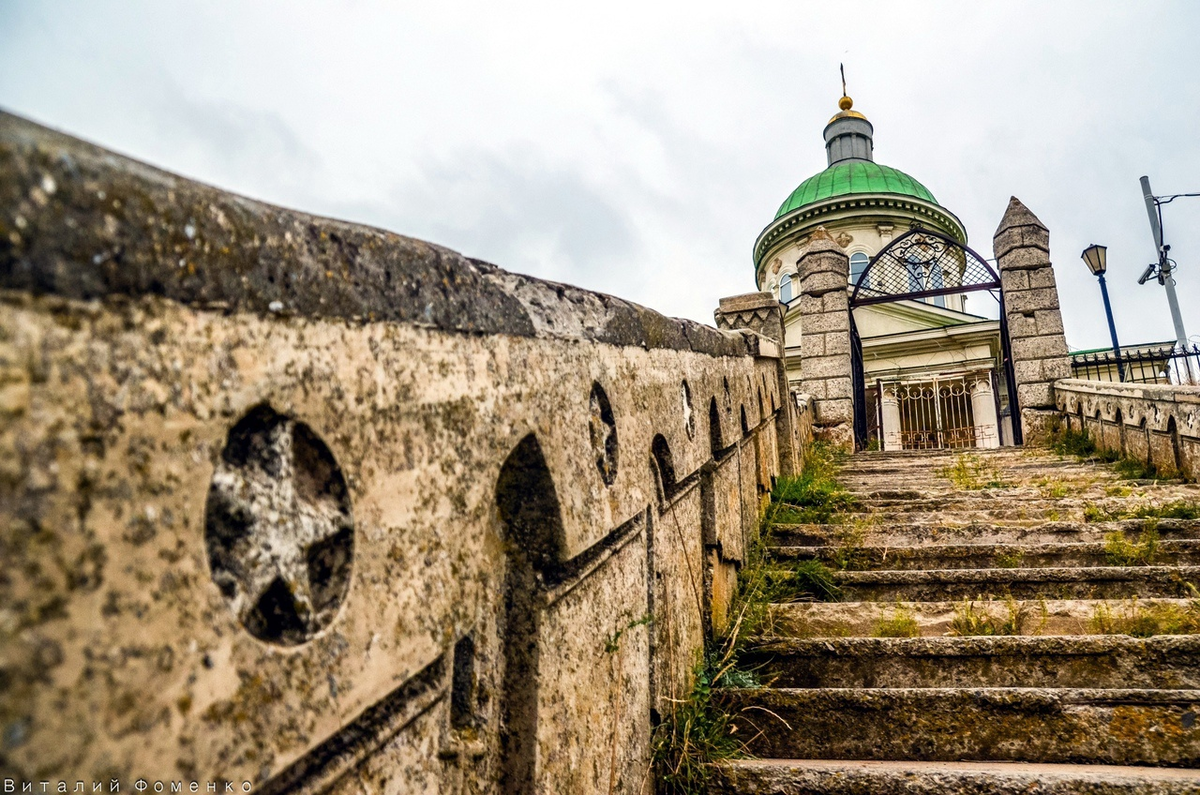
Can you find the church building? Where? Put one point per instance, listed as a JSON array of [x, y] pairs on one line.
[[932, 369]]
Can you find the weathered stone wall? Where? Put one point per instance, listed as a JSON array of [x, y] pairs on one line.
[[1039, 347], [1158, 424], [318, 507]]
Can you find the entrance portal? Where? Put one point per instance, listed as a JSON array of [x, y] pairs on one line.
[[938, 411]]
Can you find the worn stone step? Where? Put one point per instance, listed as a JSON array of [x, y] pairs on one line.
[[891, 532], [843, 777], [1102, 661], [989, 556], [1123, 727], [935, 619], [981, 507], [1096, 582]]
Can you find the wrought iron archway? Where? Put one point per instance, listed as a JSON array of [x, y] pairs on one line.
[[921, 264]]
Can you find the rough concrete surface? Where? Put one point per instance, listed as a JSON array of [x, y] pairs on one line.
[[321, 508]]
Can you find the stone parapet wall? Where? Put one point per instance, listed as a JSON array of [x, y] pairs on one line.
[[322, 508], [1158, 424]]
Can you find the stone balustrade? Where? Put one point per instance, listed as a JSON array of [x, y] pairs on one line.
[[321, 508], [1158, 424]]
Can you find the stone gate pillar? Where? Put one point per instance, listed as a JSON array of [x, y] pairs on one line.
[[1035, 329], [763, 314], [825, 338]]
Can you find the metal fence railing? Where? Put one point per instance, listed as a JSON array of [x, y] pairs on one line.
[[1145, 365]]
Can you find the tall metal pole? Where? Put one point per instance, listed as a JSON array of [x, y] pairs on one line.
[[1164, 265], [1112, 329]]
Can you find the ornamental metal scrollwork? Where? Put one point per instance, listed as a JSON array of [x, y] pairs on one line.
[[922, 263]]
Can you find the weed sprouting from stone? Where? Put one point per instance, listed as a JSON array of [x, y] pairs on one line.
[[1076, 443], [1010, 559], [1120, 551], [1133, 469], [814, 496], [813, 579], [971, 620], [901, 624], [696, 733], [970, 473], [1179, 509], [1051, 488], [1146, 620], [1094, 513], [1079, 444], [850, 554]]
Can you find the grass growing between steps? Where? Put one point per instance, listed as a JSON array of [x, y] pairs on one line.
[[1120, 551], [1011, 559], [815, 496], [970, 473], [1051, 488], [1145, 620], [697, 732], [1011, 618], [1179, 509], [901, 624], [1065, 441]]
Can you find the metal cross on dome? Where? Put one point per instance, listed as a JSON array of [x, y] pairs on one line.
[[279, 528]]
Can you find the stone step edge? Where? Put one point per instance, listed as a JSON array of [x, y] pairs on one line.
[[1050, 574], [974, 645], [874, 776], [933, 615], [883, 698], [1126, 525], [966, 550]]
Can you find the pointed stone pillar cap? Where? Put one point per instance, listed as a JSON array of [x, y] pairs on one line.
[[1019, 228]]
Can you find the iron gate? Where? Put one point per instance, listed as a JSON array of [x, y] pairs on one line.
[[923, 263]]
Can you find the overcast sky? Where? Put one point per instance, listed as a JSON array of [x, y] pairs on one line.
[[639, 148]]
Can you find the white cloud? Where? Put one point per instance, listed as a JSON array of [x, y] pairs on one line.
[[640, 148]]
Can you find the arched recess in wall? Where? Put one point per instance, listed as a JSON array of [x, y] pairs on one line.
[[1173, 438], [1119, 417], [715, 441], [533, 538], [664, 468], [1144, 427]]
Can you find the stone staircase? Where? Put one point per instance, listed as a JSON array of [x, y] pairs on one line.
[[1029, 551]]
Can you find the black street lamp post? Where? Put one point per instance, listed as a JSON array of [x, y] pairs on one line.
[[1096, 259]]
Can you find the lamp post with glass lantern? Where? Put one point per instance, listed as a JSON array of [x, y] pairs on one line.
[[1096, 259]]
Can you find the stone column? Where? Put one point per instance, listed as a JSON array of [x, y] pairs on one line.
[[890, 432], [763, 314], [824, 308], [983, 411], [1039, 349]]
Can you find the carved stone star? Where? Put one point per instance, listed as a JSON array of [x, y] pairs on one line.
[[279, 528]]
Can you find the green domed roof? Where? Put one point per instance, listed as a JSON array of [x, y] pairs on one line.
[[847, 177]]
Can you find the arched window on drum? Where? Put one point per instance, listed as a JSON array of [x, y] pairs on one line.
[[858, 264], [785, 289]]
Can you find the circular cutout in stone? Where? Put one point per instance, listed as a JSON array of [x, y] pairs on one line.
[[602, 430], [278, 528]]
